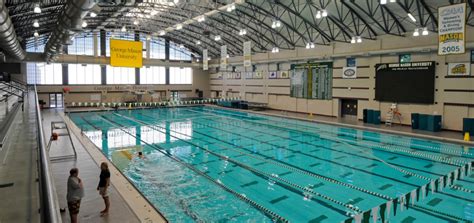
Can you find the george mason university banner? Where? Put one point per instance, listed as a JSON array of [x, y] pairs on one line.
[[125, 53]]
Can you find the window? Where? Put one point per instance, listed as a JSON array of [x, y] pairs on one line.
[[178, 53], [152, 75], [37, 48], [157, 48], [84, 74], [120, 75], [41, 73], [83, 45], [181, 75]]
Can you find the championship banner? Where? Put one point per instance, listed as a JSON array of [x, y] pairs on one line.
[[349, 72], [452, 29], [125, 53], [204, 60], [459, 69], [248, 54], [224, 57]]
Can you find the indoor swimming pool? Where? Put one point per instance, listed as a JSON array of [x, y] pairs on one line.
[[206, 164]]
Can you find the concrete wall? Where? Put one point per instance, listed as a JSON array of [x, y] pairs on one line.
[[454, 97], [122, 93]]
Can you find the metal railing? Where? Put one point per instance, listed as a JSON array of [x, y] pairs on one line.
[[49, 208]]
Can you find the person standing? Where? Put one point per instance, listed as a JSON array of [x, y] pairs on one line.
[[103, 187], [75, 192]]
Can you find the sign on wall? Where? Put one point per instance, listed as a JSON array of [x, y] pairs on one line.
[[349, 72], [459, 69], [205, 60], [224, 57], [247, 54], [311, 80], [126, 53], [451, 29]]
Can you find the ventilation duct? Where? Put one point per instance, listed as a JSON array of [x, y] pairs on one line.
[[69, 22], [8, 39]]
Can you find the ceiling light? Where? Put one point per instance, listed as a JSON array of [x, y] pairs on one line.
[[124, 29], [93, 14], [176, 1], [392, 1], [275, 50], [383, 2], [227, 56], [162, 33], [36, 34], [231, 8], [208, 58], [148, 37], [273, 24], [307, 46], [198, 42], [181, 46], [35, 23], [84, 24], [318, 14], [217, 38], [325, 13], [135, 22], [353, 39], [411, 17], [201, 19], [37, 9], [278, 23], [179, 26], [311, 45], [197, 60], [153, 13], [359, 39], [425, 32], [242, 32], [416, 33]]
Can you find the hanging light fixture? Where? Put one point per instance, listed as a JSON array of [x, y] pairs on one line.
[[393, 1], [411, 17], [416, 32], [37, 9], [36, 23], [353, 39], [311, 45], [84, 24], [383, 2], [307, 46], [217, 38], [324, 13], [425, 31], [198, 42], [359, 39], [162, 33], [124, 29], [135, 22], [318, 15], [201, 19], [93, 14], [179, 26], [242, 32], [278, 23], [36, 34], [275, 50]]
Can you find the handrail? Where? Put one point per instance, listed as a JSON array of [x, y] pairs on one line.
[[49, 201]]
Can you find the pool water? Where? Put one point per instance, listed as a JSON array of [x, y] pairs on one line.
[[206, 164]]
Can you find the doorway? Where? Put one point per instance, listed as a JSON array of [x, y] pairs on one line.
[[348, 107], [56, 100]]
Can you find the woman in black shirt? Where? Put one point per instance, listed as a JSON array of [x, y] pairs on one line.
[[104, 183]]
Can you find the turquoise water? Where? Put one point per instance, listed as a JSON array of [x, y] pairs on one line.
[[206, 164]]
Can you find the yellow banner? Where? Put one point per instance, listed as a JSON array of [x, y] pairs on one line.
[[125, 53]]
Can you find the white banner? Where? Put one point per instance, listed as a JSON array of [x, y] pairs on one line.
[[248, 54], [459, 69], [349, 72], [205, 65], [223, 57], [452, 29]]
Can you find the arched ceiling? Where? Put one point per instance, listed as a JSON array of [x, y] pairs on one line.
[[299, 24]]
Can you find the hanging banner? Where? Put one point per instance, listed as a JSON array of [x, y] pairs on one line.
[[125, 53], [248, 54], [459, 69], [349, 72], [205, 60], [224, 57], [452, 29]]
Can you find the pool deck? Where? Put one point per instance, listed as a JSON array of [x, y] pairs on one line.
[[127, 205]]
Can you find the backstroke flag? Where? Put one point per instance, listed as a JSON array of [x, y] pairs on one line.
[[452, 29], [204, 60]]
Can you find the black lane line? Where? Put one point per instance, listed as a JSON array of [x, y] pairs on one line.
[[313, 127], [265, 211], [258, 173], [305, 133], [298, 168]]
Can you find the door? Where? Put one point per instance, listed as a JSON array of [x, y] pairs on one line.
[[348, 107], [56, 100]]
